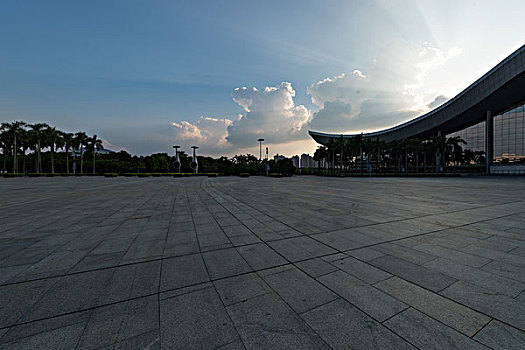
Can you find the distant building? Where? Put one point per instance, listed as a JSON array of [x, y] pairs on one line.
[[278, 157], [307, 161], [295, 161]]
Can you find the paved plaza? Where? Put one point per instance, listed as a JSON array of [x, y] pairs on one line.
[[257, 263]]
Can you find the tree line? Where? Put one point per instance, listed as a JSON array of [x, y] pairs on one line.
[[360, 154], [41, 148], [22, 140]]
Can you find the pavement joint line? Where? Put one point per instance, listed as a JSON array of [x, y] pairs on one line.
[[65, 194], [161, 265], [270, 287], [400, 312], [213, 213], [394, 221], [208, 272]]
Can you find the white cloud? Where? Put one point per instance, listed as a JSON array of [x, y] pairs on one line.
[[271, 113], [392, 91], [108, 145], [207, 131], [438, 101]]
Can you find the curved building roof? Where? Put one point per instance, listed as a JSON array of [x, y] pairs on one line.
[[498, 90]]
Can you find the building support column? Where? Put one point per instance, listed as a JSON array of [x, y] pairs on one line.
[[489, 142]]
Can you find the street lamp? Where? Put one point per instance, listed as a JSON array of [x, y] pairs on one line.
[[176, 163], [194, 164], [260, 148]]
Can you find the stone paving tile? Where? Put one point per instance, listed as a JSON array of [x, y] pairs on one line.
[[60, 338], [361, 270], [300, 248], [316, 267], [261, 256], [506, 270], [266, 322], [183, 271], [487, 280], [427, 333], [195, 320], [500, 336], [13, 334], [116, 323], [495, 255], [84, 261], [453, 255], [365, 254], [417, 274], [374, 302], [241, 288], [499, 306], [299, 290], [454, 315], [343, 326], [225, 263], [405, 253]]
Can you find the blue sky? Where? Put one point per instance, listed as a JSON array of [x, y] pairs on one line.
[[144, 75]]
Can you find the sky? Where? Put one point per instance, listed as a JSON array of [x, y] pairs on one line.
[[145, 75]]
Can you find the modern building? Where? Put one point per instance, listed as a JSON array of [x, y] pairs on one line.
[[307, 161], [295, 161], [489, 115], [278, 157]]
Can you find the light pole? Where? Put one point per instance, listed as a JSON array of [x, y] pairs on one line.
[[260, 148], [267, 165], [194, 164], [176, 163]]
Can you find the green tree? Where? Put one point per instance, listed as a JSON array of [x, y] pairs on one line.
[[37, 132], [15, 129], [4, 143], [455, 143], [82, 142], [53, 140], [94, 145], [68, 145]]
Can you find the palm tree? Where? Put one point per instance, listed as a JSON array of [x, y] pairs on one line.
[[37, 131], [358, 144], [94, 145], [457, 150], [331, 149], [53, 140], [15, 129], [320, 155], [4, 142], [25, 140], [415, 146], [82, 141], [439, 144], [68, 144]]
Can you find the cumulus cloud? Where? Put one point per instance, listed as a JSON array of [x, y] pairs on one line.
[[438, 101], [391, 90], [112, 147], [333, 117], [205, 131], [270, 112]]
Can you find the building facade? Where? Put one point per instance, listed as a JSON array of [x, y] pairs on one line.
[[488, 115], [508, 136]]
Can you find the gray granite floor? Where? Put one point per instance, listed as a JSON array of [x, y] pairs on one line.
[[234, 263]]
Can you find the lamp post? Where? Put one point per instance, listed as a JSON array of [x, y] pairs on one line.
[[194, 164], [176, 163], [260, 148]]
